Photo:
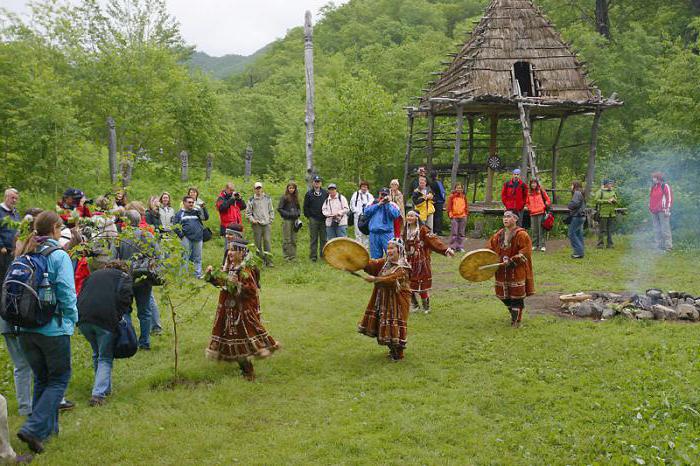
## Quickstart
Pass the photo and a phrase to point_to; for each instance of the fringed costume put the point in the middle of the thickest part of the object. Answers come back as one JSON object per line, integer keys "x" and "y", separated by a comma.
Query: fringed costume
{"x": 386, "y": 315}
{"x": 515, "y": 279}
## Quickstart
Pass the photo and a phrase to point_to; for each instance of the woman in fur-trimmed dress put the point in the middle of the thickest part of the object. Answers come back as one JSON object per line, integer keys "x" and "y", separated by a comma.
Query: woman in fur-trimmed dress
{"x": 420, "y": 242}
{"x": 238, "y": 334}
{"x": 386, "y": 315}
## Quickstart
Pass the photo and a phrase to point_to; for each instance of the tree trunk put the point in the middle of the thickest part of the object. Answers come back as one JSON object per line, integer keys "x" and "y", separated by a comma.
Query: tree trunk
{"x": 602, "y": 17}
{"x": 248, "y": 162}
{"x": 184, "y": 164}
{"x": 112, "y": 148}
{"x": 210, "y": 166}
{"x": 310, "y": 91}
{"x": 590, "y": 175}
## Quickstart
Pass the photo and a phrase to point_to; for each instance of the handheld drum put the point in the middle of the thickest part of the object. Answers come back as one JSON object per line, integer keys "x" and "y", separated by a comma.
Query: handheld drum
{"x": 346, "y": 254}
{"x": 479, "y": 265}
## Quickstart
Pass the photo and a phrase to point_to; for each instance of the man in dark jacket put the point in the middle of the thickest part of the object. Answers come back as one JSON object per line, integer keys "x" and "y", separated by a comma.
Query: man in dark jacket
{"x": 313, "y": 205}
{"x": 230, "y": 204}
{"x": 191, "y": 221}
{"x": 440, "y": 197}
{"x": 514, "y": 195}
{"x": 106, "y": 297}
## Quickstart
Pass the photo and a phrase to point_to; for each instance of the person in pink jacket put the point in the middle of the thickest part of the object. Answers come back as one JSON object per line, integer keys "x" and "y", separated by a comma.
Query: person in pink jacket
{"x": 660, "y": 205}
{"x": 536, "y": 203}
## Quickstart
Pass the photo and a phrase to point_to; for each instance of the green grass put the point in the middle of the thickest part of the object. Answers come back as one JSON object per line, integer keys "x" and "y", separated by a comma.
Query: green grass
{"x": 470, "y": 391}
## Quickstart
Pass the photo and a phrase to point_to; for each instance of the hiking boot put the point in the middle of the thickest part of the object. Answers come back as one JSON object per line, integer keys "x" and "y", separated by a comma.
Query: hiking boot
{"x": 32, "y": 442}
{"x": 96, "y": 401}
{"x": 66, "y": 405}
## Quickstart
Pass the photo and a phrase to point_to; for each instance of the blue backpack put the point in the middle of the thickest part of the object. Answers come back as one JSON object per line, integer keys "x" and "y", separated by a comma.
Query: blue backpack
{"x": 20, "y": 304}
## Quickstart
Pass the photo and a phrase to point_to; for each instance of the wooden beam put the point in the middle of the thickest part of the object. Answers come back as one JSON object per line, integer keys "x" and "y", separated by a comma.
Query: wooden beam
{"x": 407, "y": 158}
{"x": 590, "y": 175}
{"x": 555, "y": 158}
{"x": 430, "y": 149}
{"x": 458, "y": 145}
{"x": 470, "y": 151}
{"x": 493, "y": 150}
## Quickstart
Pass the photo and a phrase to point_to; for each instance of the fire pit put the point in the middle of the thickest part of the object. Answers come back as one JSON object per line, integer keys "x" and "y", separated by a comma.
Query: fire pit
{"x": 653, "y": 305}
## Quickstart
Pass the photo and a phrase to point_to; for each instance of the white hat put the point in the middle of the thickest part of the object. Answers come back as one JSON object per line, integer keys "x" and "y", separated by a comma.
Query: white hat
{"x": 257, "y": 185}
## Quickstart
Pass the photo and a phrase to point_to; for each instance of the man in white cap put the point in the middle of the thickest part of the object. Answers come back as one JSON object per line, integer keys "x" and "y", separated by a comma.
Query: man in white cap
{"x": 335, "y": 209}
{"x": 514, "y": 195}
{"x": 261, "y": 214}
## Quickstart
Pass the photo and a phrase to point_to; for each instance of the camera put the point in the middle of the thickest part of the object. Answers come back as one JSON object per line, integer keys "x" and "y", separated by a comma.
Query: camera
{"x": 236, "y": 195}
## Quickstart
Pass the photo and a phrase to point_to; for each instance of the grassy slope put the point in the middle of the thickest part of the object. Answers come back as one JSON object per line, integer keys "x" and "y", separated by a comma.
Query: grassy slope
{"x": 470, "y": 391}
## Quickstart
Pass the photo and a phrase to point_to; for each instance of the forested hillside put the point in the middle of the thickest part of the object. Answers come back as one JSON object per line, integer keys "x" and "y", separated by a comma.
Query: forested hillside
{"x": 222, "y": 67}
{"x": 58, "y": 84}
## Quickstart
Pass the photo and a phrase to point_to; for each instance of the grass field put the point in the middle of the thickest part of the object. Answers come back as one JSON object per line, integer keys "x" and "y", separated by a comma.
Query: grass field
{"x": 470, "y": 391}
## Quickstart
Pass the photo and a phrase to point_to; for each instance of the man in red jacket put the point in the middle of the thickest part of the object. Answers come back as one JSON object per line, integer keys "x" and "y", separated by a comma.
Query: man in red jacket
{"x": 660, "y": 204}
{"x": 514, "y": 195}
{"x": 229, "y": 204}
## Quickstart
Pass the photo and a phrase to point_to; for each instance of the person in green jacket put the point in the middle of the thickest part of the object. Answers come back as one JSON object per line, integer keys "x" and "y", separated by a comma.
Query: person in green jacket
{"x": 605, "y": 204}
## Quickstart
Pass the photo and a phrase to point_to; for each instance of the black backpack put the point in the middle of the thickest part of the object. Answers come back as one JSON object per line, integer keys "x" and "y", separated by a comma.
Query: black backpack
{"x": 20, "y": 304}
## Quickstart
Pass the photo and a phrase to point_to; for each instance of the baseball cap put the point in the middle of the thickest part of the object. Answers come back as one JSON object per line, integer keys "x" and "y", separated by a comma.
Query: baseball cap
{"x": 516, "y": 171}
{"x": 257, "y": 184}
{"x": 332, "y": 186}
{"x": 317, "y": 178}
{"x": 384, "y": 191}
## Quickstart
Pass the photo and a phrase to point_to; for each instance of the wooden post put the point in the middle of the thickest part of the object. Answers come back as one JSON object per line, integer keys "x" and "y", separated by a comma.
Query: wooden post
{"x": 407, "y": 158}
{"x": 310, "y": 90}
{"x": 112, "y": 149}
{"x": 458, "y": 145}
{"x": 555, "y": 157}
{"x": 184, "y": 164}
{"x": 248, "y": 162}
{"x": 210, "y": 166}
{"x": 493, "y": 149}
{"x": 470, "y": 153}
{"x": 430, "y": 148}
{"x": 590, "y": 175}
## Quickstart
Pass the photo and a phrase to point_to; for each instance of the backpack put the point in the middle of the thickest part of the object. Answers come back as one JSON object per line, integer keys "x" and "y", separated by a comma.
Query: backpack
{"x": 126, "y": 344}
{"x": 20, "y": 305}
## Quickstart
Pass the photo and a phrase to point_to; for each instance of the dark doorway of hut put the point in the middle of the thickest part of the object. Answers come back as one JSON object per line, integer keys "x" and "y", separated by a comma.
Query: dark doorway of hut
{"x": 524, "y": 77}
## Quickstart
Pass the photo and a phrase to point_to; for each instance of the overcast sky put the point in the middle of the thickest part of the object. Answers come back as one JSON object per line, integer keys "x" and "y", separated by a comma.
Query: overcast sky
{"x": 220, "y": 27}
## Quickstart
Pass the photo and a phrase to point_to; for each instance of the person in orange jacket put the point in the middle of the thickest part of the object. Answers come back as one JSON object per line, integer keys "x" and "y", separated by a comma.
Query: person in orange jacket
{"x": 537, "y": 203}
{"x": 458, "y": 211}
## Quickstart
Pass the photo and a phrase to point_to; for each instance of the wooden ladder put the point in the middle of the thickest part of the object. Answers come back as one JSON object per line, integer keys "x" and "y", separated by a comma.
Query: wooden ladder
{"x": 527, "y": 139}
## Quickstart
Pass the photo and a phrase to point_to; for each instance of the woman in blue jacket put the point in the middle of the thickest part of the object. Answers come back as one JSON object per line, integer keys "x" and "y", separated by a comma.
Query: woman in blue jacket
{"x": 47, "y": 348}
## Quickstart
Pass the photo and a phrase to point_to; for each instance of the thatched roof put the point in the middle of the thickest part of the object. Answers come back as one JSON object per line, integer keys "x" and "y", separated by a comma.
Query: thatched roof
{"x": 481, "y": 73}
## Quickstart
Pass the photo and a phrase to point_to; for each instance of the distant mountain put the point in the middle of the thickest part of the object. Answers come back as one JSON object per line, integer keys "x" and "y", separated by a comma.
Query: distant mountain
{"x": 223, "y": 67}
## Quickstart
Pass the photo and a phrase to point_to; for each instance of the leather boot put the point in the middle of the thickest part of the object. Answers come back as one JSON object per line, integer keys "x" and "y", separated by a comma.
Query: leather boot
{"x": 517, "y": 316}
{"x": 426, "y": 305}
{"x": 414, "y": 303}
{"x": 247, "y": 370}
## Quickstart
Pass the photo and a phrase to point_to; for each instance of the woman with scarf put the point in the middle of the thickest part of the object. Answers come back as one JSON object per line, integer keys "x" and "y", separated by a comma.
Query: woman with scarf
{"x": 420, "y": 242}
{"x": 386, "y": 315}
{"x": 238, "y": 334}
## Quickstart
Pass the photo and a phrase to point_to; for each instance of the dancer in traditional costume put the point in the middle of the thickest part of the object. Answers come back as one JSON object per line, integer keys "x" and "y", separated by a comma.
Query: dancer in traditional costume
{"x": 514, "y": 279}
{"x": 238, "y": 334}
{"x": 420, "y": 242}
{"x": 386, "y": 315}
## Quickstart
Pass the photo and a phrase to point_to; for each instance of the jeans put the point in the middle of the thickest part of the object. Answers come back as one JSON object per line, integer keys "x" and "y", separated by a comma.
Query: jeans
{"x": 7, "y": 454}
{"x": 155, "y": 314}
{"x": 336, "y": 232}
{"x": 538, "y": 232}
{"x": 49, "y": 358}
{"x": 261, "y": 235}
{"x": 662, "y": 230}
{"x": 289, "y": 240}
{"x": 193, "y": 253}
{"x": 22, "y": 373}
{"x": 378, "y": 243}
{"x": 142, "y": 296}
{"x": 361, "y": 237}
{"x": 317, "y": 236}
{"x": 459, "y": 225}
{"x": 606, "y": 225}
{"x": 576, "y": 235}
{"x": 437, "y": 219}
{"x": 102, "y": 343}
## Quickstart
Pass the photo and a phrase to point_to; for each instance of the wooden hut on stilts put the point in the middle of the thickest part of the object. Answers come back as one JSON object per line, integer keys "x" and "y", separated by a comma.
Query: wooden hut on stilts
{"x": 514, "y": 66}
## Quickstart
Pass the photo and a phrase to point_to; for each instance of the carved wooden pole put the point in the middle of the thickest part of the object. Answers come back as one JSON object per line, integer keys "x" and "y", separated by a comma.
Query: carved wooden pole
{"x": 310, "y": 90}
{"x": 210, "y": 166}
{"x": 112, "y": 149}
{"x": 590, "y": 175}
{"x": 248, "y": 162}
{"x": 407, "y": 159}
{"x": 184, "y": 163}
{"x": 458, "y": 145}
{"x": 493, "y": 150}
{"x": 127, "y": 167}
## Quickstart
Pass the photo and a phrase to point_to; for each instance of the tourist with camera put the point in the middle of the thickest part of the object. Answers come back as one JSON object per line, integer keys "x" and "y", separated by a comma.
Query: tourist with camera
{"x": 230, "y": 204}
{"x": 335, "y": 209}
{"x": 73, "y": 205}
{"x": 381, "y": 217}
